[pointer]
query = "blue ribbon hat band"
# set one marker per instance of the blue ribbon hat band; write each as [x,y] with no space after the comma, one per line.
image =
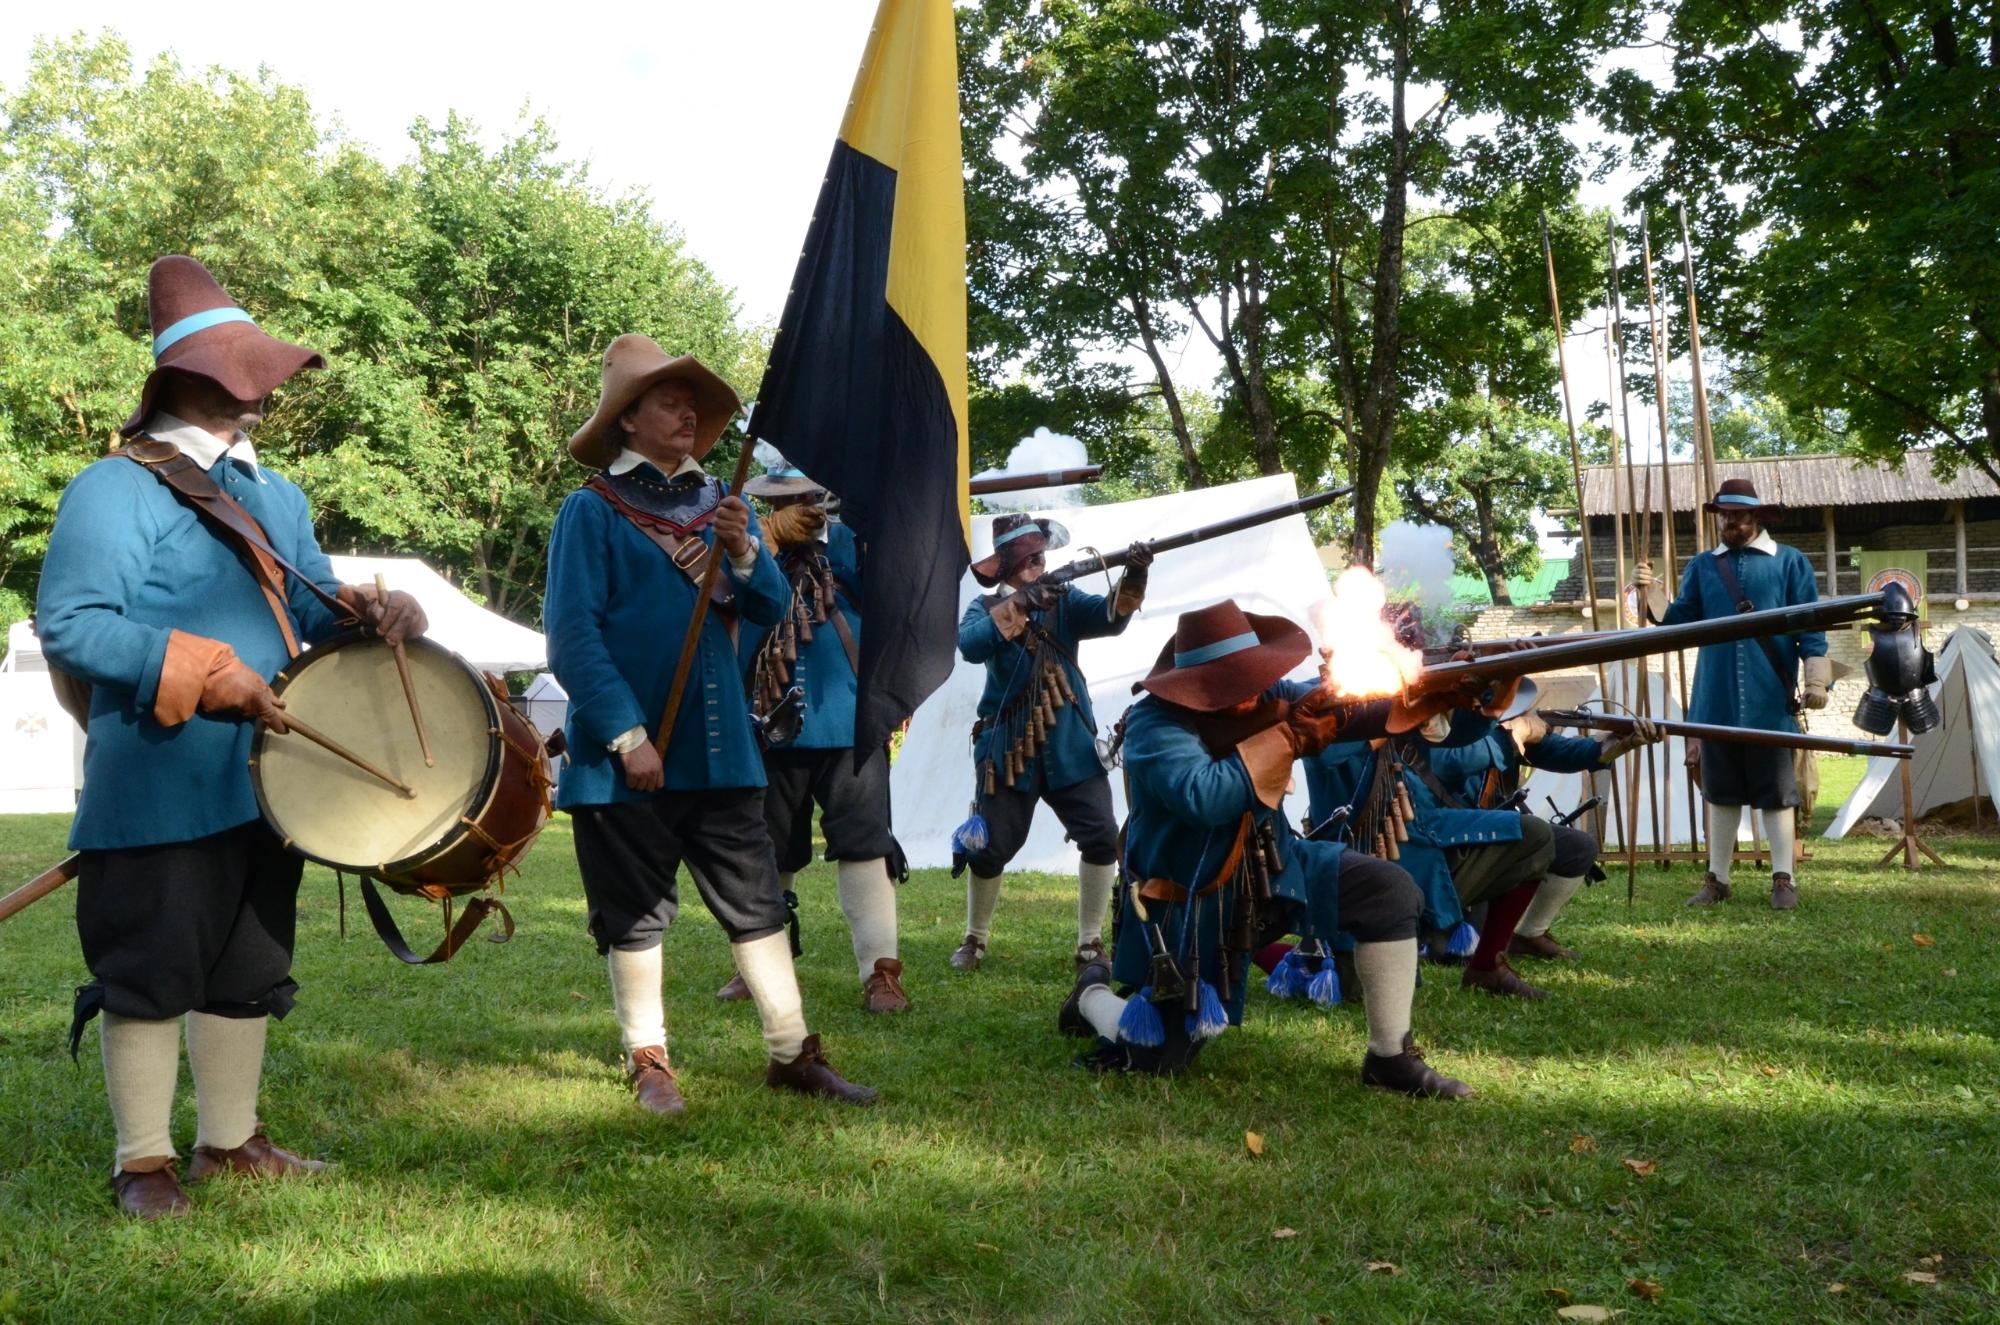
[1222,648]
[1736,499]
[1017,532]
[193,322]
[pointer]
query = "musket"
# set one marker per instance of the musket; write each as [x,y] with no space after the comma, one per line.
[1054,478]
[35,889]
[1616,646]
[1108,561]
[1586,720]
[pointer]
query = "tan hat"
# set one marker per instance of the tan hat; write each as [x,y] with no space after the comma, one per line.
[632,364]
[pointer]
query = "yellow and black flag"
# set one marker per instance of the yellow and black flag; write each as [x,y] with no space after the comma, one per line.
[865,389]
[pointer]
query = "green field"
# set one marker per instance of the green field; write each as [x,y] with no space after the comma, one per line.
[1811,1100]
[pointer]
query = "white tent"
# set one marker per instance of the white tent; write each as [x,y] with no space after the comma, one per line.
[41,750]
[1957,759]
[1273,568]
[485,639]
[24,650]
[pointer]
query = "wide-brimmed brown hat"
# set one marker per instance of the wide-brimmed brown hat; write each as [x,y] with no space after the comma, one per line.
[781,478]
[1016,538]
[1740,494]
[199,330]
[1222,655]
[632,365]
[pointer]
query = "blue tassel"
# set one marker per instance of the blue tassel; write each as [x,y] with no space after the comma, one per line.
[1463,940]
[1288,977]
[971,837]
[1324,989]
[1209,1019]
[1140,1022]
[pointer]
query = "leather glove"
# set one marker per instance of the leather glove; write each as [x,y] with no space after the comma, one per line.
[1010,614]
[1131,594]
[1315,721]
[1817,677]
[397,618]
[1526,729]
[1036,596]
[233,688]
[1643,733]
[791,526]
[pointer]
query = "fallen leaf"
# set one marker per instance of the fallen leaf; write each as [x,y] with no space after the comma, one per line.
[1581,1144]
[1935,1260]
[1920,1276]
[1645,1168]
[1923,940]
[1836,1287]
[1768,1070]
[1282,1233]
[578,997]
[1586,1311]
[1559,1294]
[1384,1267]
[1649,1289]
[1951,973]
[985,1246]
[1254,1143]
[1545,1210]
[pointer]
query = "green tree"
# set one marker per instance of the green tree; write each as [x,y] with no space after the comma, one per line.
[1840,164]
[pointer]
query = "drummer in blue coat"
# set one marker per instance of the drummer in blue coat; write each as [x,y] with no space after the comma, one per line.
[802,678]
[1762,683]
[626,557]
[1215,868]
[163,641]
[1036,738]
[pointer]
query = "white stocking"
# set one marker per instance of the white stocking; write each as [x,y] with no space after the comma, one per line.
[142,1065]
[1781,831]
[868,900]
[635,998]
[766,966]
[1724,823]
[1388,974]
[226,1057]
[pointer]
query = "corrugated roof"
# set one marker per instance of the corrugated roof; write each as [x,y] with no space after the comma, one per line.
[1798,480]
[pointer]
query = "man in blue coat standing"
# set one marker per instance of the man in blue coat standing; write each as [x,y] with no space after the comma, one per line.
[1036,738]
[626,558]
[165,638]
[803,677]
[1764,683]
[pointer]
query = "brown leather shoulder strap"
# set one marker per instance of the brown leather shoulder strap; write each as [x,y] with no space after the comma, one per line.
[689,552]
[1734,588]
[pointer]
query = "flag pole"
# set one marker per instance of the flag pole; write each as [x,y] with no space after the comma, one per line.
[685,663]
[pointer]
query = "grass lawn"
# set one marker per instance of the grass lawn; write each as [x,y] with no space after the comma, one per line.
[1745,1109]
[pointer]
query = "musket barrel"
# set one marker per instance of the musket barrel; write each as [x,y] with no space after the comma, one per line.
[1583,720]
[1186,538]
[1617,646]
[1054,478]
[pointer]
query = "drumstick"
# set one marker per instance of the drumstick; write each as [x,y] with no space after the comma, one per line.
[325,742]
[409,686]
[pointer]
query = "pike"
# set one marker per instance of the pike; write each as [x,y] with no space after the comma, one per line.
[1587,721]
[1109,561]
[35,889]
[1054,478]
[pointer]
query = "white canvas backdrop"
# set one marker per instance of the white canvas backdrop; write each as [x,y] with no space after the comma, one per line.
[485,639]
[1569,790]
[1273,569]
[1958,758]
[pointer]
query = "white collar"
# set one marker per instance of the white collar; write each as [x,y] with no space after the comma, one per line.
[199,444]
[629,460]
[1763,543]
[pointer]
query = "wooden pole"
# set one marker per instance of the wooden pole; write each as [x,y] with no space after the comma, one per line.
[409,686]
[685,663]
[1704,435]
[35,889]
[1673,668]
[1636,674]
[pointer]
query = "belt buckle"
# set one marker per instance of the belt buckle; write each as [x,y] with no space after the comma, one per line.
[700,550]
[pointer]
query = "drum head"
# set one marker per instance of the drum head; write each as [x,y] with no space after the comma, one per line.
[335,813]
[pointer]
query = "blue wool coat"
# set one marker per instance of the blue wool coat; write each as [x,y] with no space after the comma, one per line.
[127,564]
[1344,774]
[1735,684]
[1070,756]
[1185,805]
[615,614]
[1463,768]
[823,669]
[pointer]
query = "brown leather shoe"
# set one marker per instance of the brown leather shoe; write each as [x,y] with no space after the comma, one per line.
[811,1074]
[155,1194]
[1784,893]
[1070,1020]
[1542,947]
[884,990]
[255,1158]
[1090,953]
[735,991]
[1501,982]
[1712,890]
[970,953]
[1407,1073]
[653,1083]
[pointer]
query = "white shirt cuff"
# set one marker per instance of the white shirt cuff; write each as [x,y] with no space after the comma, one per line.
[628,741]
[744,566]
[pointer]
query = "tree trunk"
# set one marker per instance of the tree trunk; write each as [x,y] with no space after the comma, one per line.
[1486,549]
[1379,400]
[1257,393]
[1142,314]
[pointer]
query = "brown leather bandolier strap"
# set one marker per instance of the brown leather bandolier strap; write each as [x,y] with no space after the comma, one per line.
[1166,890]
[225,515]
[688,551]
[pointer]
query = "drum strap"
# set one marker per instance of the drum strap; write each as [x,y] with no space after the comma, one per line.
[226,517]
[455,936]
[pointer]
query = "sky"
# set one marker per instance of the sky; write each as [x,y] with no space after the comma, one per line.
[723,113]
